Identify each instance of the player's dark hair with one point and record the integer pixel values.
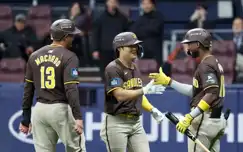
(117, 52)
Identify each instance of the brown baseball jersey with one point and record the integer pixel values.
(209, 74)
(50, 68)
(119, 76)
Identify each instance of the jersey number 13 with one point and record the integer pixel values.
(47, 77)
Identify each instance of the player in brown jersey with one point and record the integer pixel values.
(208, 91)
(52, 74)
(122, 127)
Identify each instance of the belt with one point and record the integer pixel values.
(128, 115)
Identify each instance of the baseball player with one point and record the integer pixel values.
(52, 73)
(208, 91)
(122, 127)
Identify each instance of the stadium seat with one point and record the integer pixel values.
(145, 78)
(227, 63)
(43, 24)
(179, 66)
(228, 78)
(6, 20)
(223, 48)
(224, 51)
(147, 65)
(182, 69)
(184, 78)
(40, 11)
(39, 17)
(191, 65)
(12, 70)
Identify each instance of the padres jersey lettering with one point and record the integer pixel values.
(133, 83)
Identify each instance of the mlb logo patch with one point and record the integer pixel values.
(74, 72)
(115, 82)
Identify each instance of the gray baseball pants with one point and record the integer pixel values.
(123, 132)
(208, 131)
(53, 121)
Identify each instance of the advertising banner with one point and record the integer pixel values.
(162, 137)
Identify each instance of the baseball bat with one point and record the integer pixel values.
(227, 113)
(188, 133)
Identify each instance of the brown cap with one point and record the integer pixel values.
(125, 39)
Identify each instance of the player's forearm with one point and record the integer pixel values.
(72, 95)
(146, 104)
(127, 95)
(27, 102)
(182, 88)
(204, 104)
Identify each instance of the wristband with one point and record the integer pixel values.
(203, 105)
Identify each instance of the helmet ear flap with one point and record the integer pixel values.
(117, 52)
(140, 51)
(198, 44)
(51, 37)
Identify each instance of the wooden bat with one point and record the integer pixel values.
(188, 133)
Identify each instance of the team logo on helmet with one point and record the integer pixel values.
(134, 36)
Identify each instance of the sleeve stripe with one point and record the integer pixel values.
(27, 80)
(113, 89)
(71, 82)
(211, 86)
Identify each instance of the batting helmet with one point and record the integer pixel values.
(62, 28)
(198, 35)
(127, 39)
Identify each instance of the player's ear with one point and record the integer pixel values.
(120, 49)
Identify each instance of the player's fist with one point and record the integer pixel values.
(184, 123)
(79, 126)
(25, 129)
(157, 115)
(160, 78)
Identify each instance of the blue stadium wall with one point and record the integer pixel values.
(163, 137)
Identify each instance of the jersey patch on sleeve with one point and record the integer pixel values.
(115, 82)
(210, 78)
(74, 72)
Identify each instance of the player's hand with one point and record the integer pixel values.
(79, 126)
(150, 88)
(156, 89)
(25, 129)
(29, 50)
(157, 115)
(184, 123)
(160, 78)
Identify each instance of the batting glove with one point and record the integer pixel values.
(160, 78)
(150, 88)
(184, 123)
(157, 115)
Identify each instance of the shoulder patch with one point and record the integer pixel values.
(74, 72)
(115, 82)
(210, 78)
